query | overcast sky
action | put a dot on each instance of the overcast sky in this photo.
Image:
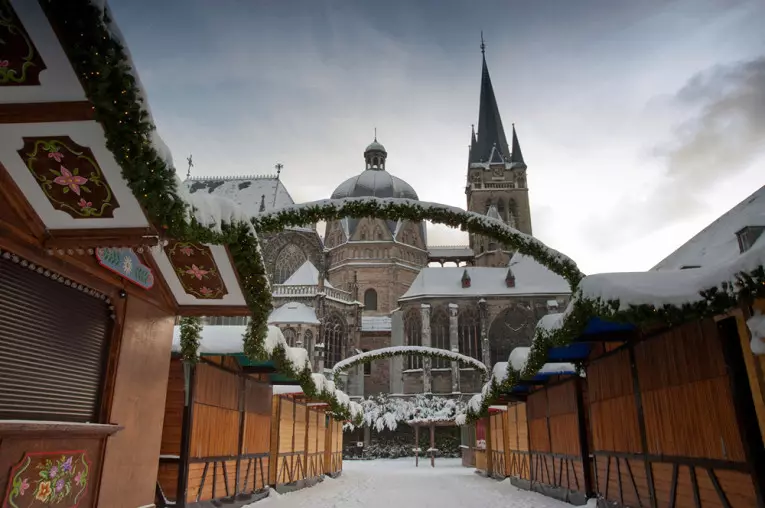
(640, 122)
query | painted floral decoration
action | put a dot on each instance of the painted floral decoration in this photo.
(197, 270)
(62, 480)
(20, 64)
(69, 176)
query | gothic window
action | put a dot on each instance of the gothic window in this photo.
(439, 336)
(378, 233)
(367, 365)
(413, 332)
(513, 327)
(334, 340)
(370, 299)
(308, 340)
(501, 209)
(290, 335)
(469, 331)
(364, 233)
(289, 259)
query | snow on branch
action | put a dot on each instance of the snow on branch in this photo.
(383, 411)
(390, 352)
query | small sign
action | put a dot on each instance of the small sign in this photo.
(360, 444)
(125, 263)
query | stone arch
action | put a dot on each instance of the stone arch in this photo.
(290, 335)
(308, 340)
(289, 259)
(513, 327)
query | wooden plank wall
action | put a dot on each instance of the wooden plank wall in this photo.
(170, 449)
(256, 437)
(664, 425)
(554, 439)
(300, 441)
(333, 453)
(518, 441)
(315, 443)
(499, 444)
(214, 434)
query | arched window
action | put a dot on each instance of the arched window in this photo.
(370, 299)
(289, 259)
(308, 340)
(501, 209)
(513, 327)
(378, 233)
(469, 331)
(413, 333)
(290, 335)
(334, 340)
(439, 336)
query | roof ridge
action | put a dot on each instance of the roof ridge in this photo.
(230, 178)
(448, 247)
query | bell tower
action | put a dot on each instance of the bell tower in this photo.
(496, 176)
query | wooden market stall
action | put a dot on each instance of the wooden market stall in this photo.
(333, 451)
(498, 441)
(217, 446)
(517, 460)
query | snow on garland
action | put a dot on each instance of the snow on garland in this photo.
(383, 411)
(191, 337)
(390, 352)
(644, 299)
(756, 326)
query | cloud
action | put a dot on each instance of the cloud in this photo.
(722, 135)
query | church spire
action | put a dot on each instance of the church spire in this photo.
(517, 155)
(490, 130)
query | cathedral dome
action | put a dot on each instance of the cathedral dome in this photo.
(375, 145)
(374, 183)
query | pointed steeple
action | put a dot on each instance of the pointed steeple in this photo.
(517, 156)
(490, 129)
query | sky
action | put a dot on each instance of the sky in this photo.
(640, 122)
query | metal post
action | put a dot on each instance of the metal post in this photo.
(432, 445)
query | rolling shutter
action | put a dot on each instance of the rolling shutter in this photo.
(53, 346)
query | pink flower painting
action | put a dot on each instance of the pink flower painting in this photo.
(57, 156)
(70, 180)
(84, 204)
(205, 291)
(197, 272)
(187, 251)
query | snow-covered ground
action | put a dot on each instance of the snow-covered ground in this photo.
(398, 484)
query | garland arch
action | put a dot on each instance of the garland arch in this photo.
(424, 351)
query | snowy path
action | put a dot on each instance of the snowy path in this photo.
(398, 484)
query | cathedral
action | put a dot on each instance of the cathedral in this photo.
(369, 283)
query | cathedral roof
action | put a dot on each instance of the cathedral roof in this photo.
(306, 275)
(293, 313)
(254, 194)
(375, 146)
(531, 278)
(374, 182)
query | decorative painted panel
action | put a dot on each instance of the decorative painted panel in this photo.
(49, 479)
(20, 63)
(69, 176)
(196, 269)
(125, 263)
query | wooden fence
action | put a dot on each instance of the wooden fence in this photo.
(518, 442)
(498, 446)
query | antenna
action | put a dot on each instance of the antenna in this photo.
(375, 133)
(483, 44)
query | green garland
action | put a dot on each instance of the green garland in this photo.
(386, 353)
(191, 335)
(716, 301)
(404, 209)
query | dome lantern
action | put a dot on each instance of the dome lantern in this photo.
(375, 155)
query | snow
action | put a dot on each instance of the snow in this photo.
(550, 322)
(499, 373)
(246, 191)
(402, 350)
(222, 340)
(520, 355)
(385, 483)
(531, 278)
(717, 243)
(670, 287)
(306, 275)
(383, 411)
(294, 313)
(375, 323)
(284, 389)
(756, 326)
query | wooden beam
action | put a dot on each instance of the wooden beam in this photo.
(258, 369)
(13, 197)
(45, 112)
(72, 239)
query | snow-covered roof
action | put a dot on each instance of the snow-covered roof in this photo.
(450, 251)
(670, 287)
(551, 321)
(375, 323)
(306, 275)
(294, 313)
(520, 356)
(717, 243)
(221, 340)
(530, 278)
(284, 389)
(246, 191)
